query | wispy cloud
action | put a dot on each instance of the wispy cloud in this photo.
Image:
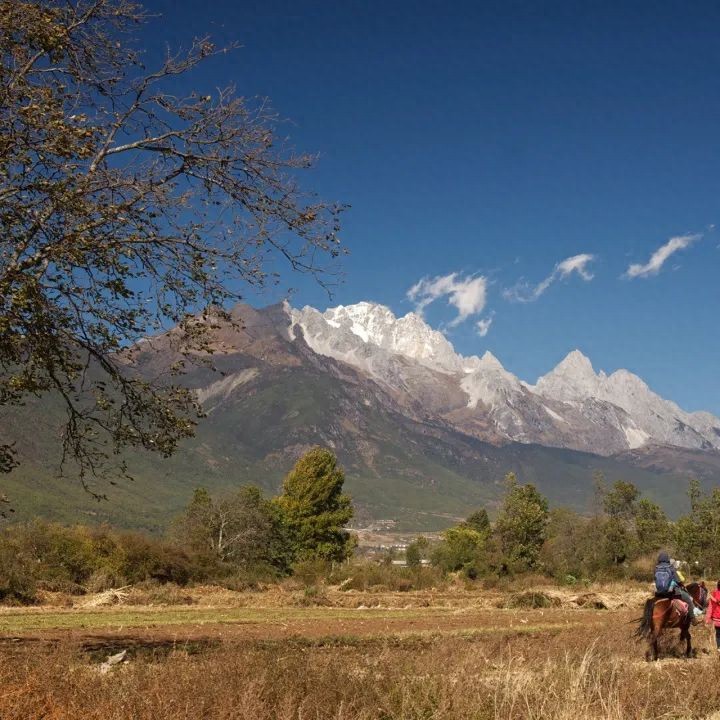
(483, 325)
(660, 256)
(467, 295)
(525, 292)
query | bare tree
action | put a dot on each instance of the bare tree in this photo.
(126, 209)
(240, 529)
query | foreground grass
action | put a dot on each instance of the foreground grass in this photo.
(570, 673)
(341, 663)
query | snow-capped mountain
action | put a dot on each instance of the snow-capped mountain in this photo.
(572, 406)
(356, 333)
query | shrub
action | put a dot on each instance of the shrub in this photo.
(533, 600)
(17, 582)
(464, 549)
(367, 575)
(311, 572)
(145, 559)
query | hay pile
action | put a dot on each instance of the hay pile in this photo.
(114, 596)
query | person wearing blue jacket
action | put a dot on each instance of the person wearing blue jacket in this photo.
(670, 583)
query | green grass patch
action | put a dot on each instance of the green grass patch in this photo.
(30, 620)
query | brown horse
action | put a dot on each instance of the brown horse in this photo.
(662, 613)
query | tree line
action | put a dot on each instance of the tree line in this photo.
(244, 538)
(236, 540)
(623, 529)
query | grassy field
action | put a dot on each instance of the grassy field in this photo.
(451, 655)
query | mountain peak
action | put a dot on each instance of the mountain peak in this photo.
(488, 360)
(572, 378)
(572, 405)
(576, 362)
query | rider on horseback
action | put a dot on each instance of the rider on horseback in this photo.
(670, 583)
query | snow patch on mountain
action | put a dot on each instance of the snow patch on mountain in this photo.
(636, 438)
(376, 325)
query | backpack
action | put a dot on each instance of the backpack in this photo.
(663, 578)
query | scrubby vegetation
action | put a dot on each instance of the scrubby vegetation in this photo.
(245, 540)
(236, 541)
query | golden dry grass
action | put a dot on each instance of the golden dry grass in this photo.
(559, 663)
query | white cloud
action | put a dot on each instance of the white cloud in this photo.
(483, 326)
(660, 256)
(578, 264)
(467, 295)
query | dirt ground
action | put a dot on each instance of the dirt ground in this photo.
(216, 615)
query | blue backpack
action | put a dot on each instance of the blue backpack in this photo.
(663, 578)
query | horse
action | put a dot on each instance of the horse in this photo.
(661, 612)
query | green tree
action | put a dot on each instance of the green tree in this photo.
(242, 529)
(128, 204)
(620, 537)
(462, 548)
(697, 535)
(521, 525)
(413, 558)
(652, 526)
(314, 508)
(195, 525)
(621, 501)
(478, 521)
(565, 551)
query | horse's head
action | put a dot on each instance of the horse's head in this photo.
(699, 593)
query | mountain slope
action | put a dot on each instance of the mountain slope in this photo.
(423, 441)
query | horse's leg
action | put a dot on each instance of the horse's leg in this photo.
(685, 635)
(654, 641)
(658, 623)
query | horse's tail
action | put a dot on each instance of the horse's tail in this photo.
(644, 629)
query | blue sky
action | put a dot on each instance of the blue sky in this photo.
(495, 141)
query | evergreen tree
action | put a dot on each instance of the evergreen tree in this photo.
(314, 508)
(195, 526)
(620, 537)
(479, 521)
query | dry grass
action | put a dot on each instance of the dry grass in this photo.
(535, 663)
(568, 675)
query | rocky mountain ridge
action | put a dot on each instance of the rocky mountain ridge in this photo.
(571, 407)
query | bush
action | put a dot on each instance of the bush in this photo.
(462, 549)
(532, 600)
(17, 582)
(244, 579)
(368, 575)
(154, 593)
(643, 569)
(146, 559)
(311, 572)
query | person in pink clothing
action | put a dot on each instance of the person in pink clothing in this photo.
(713, 613)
